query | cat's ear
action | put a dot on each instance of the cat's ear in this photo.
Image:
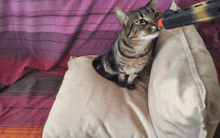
(121, 15)
(152, 3)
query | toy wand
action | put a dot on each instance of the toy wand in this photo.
(200, 12)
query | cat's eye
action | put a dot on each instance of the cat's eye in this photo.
(142, 21)
(157, 15)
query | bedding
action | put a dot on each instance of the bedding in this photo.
(25, 105)
(183, 91)
(38, 37)
(182, 99)
(89, 105)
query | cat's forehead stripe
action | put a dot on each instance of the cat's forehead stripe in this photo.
(141, 14)
(143, 9)
(152, 9)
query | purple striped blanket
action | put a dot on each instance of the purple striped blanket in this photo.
(37, 37)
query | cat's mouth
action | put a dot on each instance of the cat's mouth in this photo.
(152, 34)
(153, 30)
(157, 30)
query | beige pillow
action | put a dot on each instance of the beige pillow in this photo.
(184, 90)
(183, 96)
(89, 105)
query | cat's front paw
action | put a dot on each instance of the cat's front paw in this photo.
(121, 84)
(130, 86)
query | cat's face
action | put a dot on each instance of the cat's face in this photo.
(141, 23)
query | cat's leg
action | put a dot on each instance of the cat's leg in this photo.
(130, 83)
(121, 79)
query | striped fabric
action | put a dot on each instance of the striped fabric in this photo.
(25, 106)
(41, 35)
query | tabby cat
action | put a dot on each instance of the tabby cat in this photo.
(133, 48)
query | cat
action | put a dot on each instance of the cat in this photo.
(133, 48)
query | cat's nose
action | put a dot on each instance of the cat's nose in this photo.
(154, 24)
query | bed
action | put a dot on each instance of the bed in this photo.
(37, 39)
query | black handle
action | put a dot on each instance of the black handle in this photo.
(200, 12)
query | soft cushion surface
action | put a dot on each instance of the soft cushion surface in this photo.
(89, 105)
(184, 91)
(183, 96)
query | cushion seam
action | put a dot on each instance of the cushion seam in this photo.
(192, 64)
(193, 69)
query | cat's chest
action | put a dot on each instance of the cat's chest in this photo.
(134, 65)
(135, 62)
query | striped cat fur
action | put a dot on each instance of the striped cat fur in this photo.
(133, 48)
